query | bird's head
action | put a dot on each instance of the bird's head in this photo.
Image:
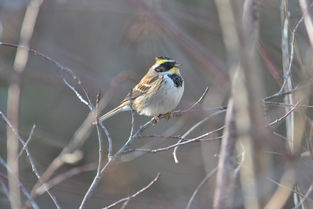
(165, 65)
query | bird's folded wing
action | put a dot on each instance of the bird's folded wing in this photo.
(141, 88)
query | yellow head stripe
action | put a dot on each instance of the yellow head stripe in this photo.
(160, 61)
(175, 70)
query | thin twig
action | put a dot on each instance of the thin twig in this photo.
(27, 141)
(288, 105)
(306, 196)
(109, 139)
(198, 101)
(192, 129)
(187, 141)
(98, 175)
(284, 116)
(78, 95)
(160, 137)
(24, 190)
(135, 194)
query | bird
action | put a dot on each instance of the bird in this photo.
(158, 92)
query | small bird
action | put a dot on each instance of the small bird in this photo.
(157, 93)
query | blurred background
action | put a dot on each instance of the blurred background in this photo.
(110, 45)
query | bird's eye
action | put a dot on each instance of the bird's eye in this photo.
(160, 69)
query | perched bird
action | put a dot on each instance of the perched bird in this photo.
(158, 92)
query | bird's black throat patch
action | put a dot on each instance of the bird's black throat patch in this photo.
(177, 79)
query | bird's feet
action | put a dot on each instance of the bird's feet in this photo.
(156, 119)
(169, 115)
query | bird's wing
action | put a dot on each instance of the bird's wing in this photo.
(141, 88)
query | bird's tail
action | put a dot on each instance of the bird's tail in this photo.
(116, 110)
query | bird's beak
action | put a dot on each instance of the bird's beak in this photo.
(177, 64)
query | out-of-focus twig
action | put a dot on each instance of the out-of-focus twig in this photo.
(248, 89)
(13, 101)
(225, 179)
(126, 199)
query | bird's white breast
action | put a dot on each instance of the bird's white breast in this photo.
(165, 99)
